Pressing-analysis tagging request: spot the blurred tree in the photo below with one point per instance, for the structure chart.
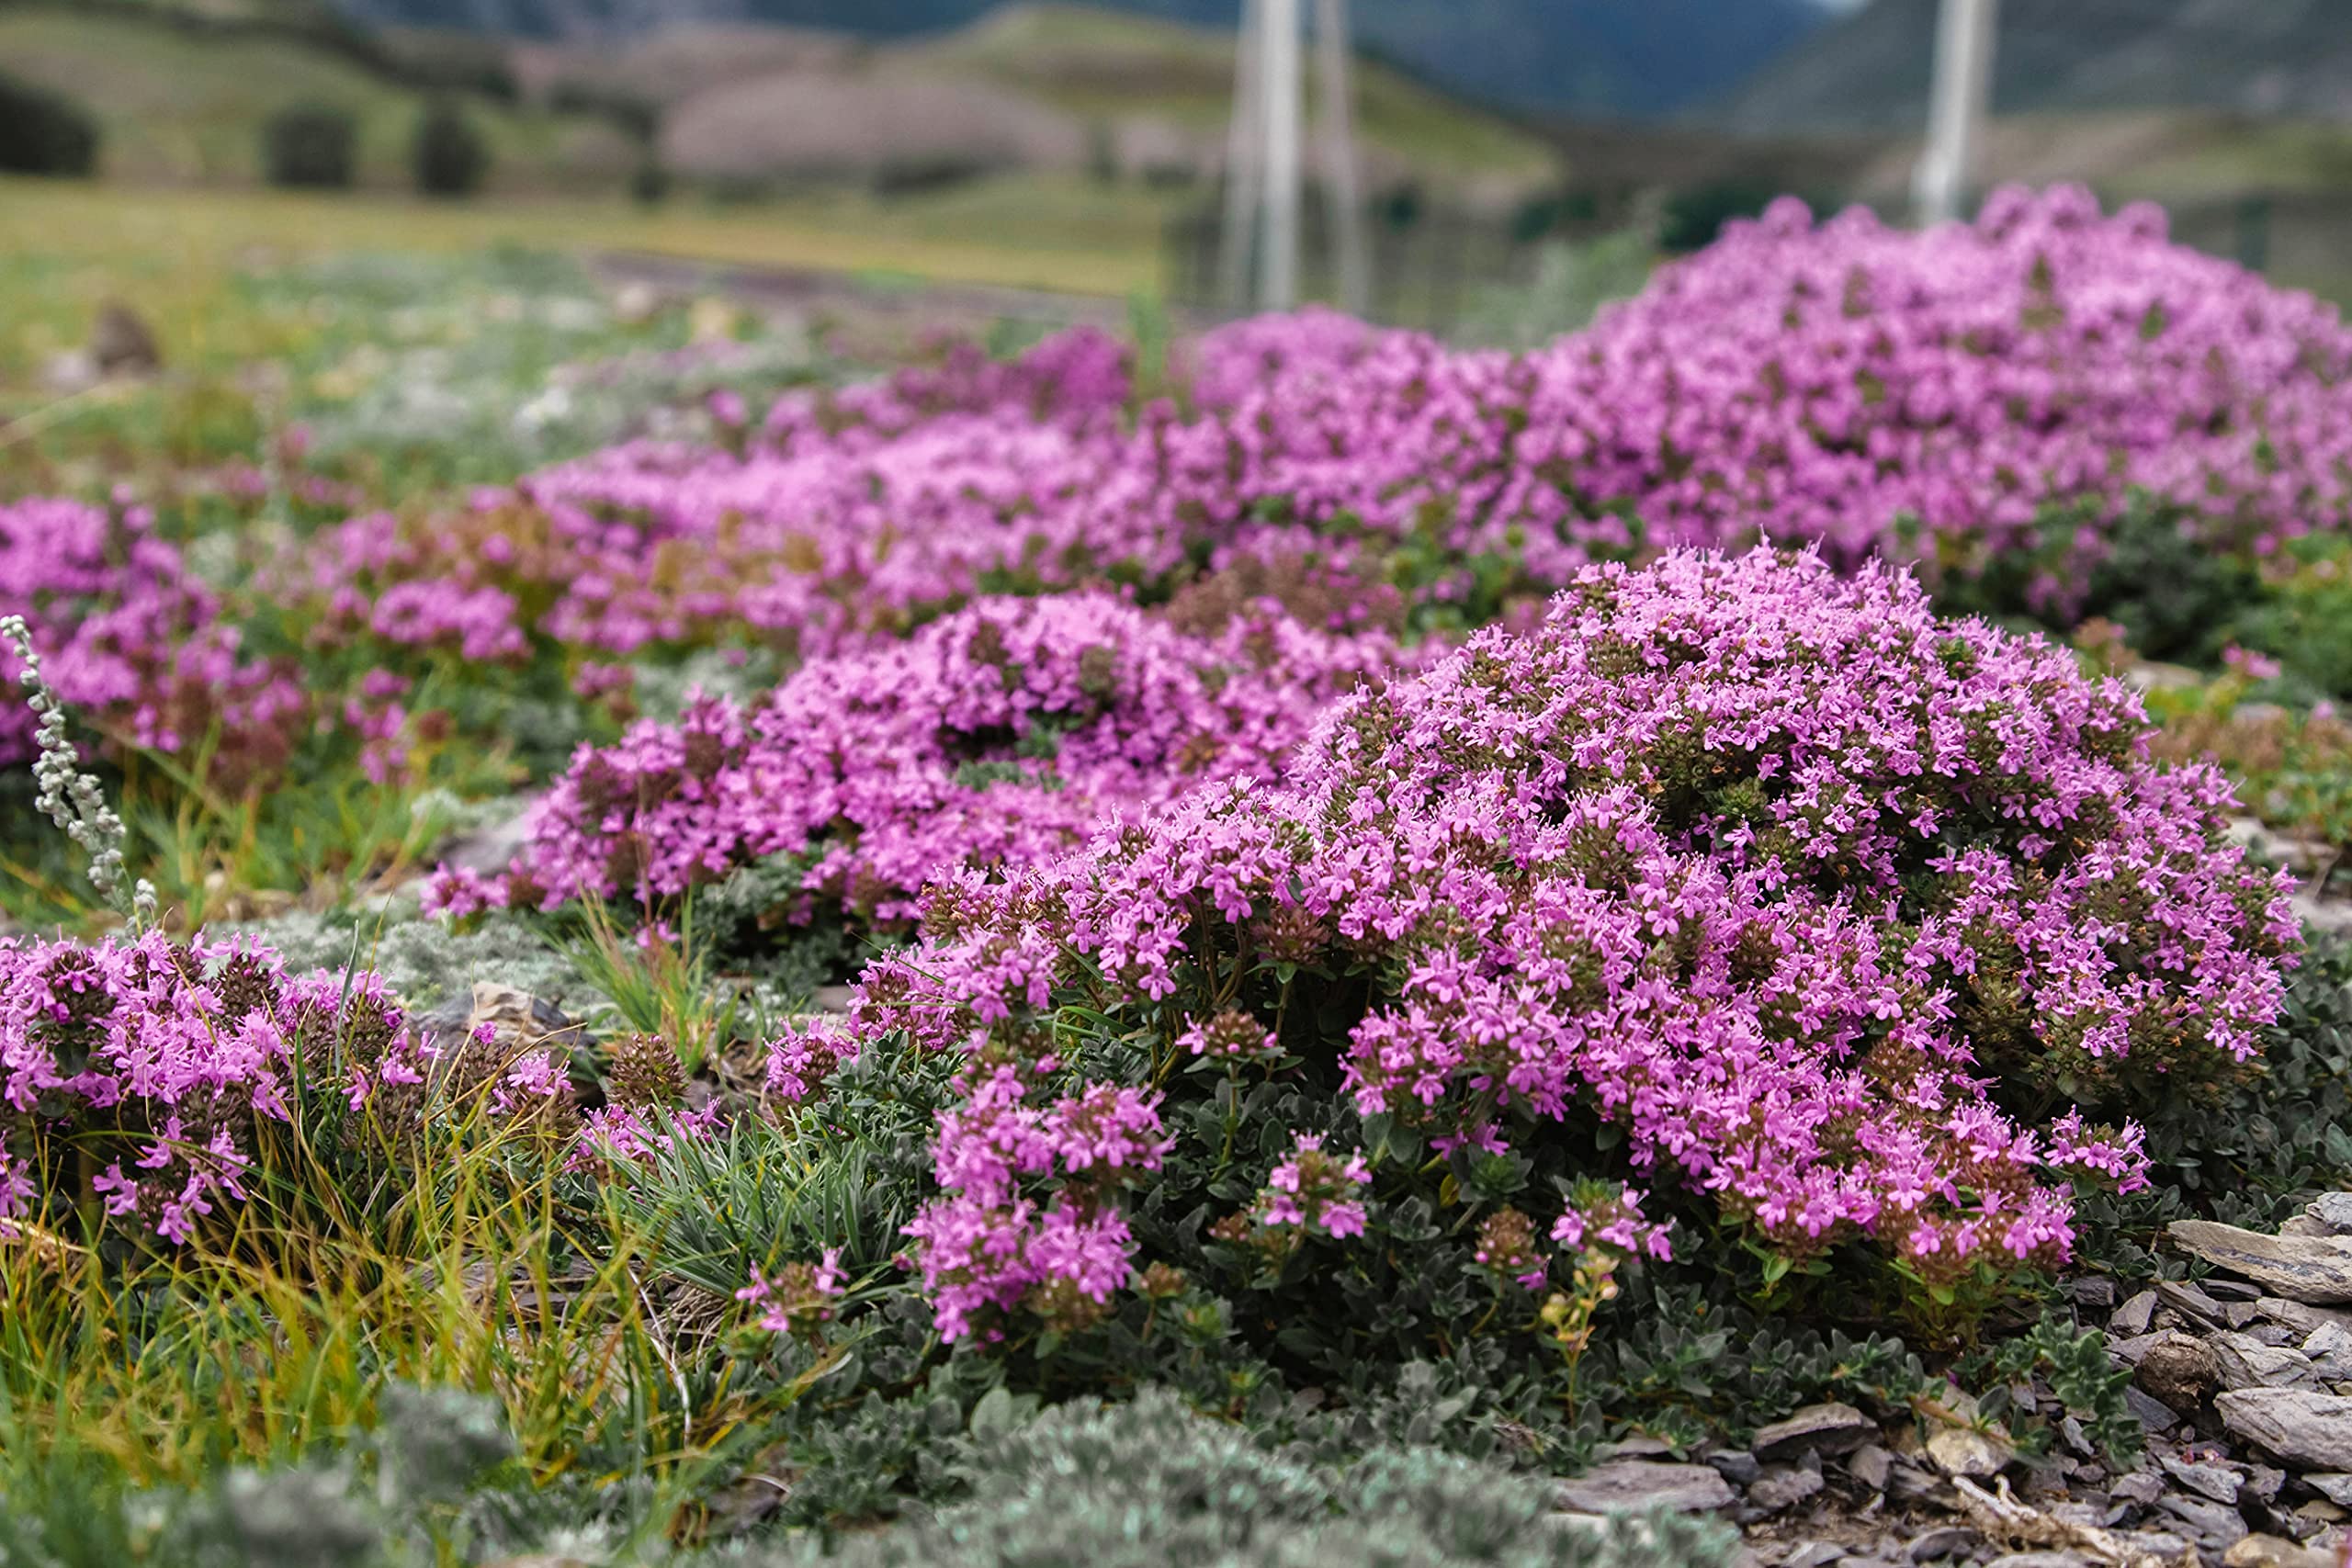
(1694, 215)
(43, 132)
(311, 146)
(449, 154)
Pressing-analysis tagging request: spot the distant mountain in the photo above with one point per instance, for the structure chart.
(1869, 71)
(1596, 58)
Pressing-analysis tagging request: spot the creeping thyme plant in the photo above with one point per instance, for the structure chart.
(1400, 899)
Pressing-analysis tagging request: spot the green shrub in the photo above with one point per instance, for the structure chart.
(311, 146)
(449, 154)
(43, 132)
(1694, 215)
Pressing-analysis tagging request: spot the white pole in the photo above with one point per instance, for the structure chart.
(1278, 61)
(1339, 171)
(1242, 143)
(1956, 108)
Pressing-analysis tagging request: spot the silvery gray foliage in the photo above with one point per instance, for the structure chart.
(434, 1443)
(296, 1518)
(1149, 1482)
(73, 799)
(423, 961)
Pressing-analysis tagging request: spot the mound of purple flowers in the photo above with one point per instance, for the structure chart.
(996, 736)
(128, 633)
(145, 1072)
(1834, 914)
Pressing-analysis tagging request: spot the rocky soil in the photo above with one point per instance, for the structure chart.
(2242, 1380)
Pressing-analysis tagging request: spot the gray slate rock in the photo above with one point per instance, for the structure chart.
(2133, 1319)
(2312, 1269)
(2300, 1316)
(2337, 1489)
(2186, 1299)
(2213, 1481)
(2212, 1523)
(1739, 1469)
(2153, 1413)
(1829, 1429)
(1781, 1489)
(2307, 1429)
(1631, 1484)
(2332, 1210)
(1953, 1540)
(1871, 1465)
(2243, 1361)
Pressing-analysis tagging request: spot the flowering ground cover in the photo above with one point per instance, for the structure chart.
(1413, 913)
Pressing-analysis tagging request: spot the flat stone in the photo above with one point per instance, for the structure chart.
(2243, 1362)
(2213, 1523)
(2237, 1315)
(2337, 1489)
(2179, 1369)
(2301, 1316)
(2307, 1429)
(1909, 1484)
(1870, 1464)
(2153, 1413)
(2185, 1298)
(1814, 1555)
(1641, 1448)
(1739, 1469)
(2328, 1339)
(2220, 1484)
(1952, 1540)
(1829, 1429)
(2275, 1551)
(2332, 1210)
(2131, 1319)
(1964, 1450)
(2228, 1291)
(2137, 1487)
(2092, 1292)
(2042, 1560)
(2315, 1269)
(1623, 1485)
(1779, 1489)
(2128, 1352)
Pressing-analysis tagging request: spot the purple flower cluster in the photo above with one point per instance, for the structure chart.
(155, 1062)
(988, 1248)
(1948, 399)
(1775, 871)
(1928, 398)
(998, 736)
(125, 631)
(147, 1074)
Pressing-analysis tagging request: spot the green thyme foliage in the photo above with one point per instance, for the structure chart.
(2282, 1130)
(2085, 1384)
